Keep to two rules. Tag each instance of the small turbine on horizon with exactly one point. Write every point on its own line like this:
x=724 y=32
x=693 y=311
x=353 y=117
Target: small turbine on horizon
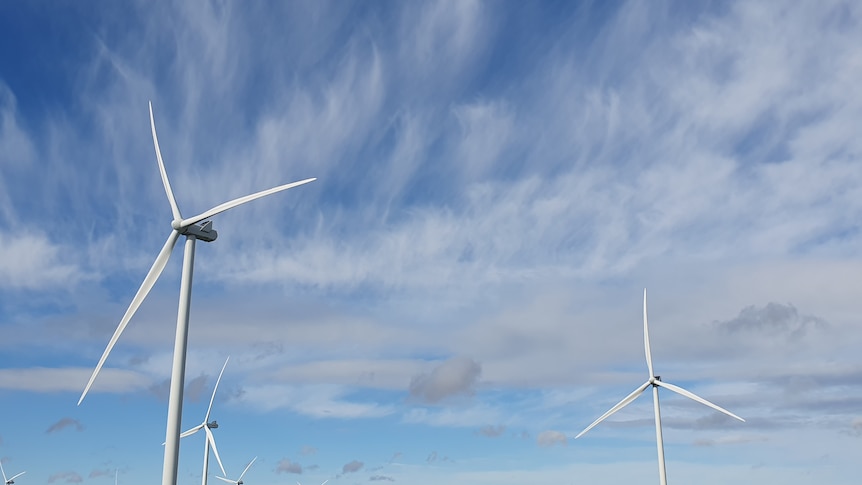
x=10 y=480
x=238 y=481
x=208 y=426
x=656 y=382
x=193 y=228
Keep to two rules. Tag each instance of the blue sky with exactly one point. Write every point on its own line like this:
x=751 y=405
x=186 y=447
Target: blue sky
x=459 y=293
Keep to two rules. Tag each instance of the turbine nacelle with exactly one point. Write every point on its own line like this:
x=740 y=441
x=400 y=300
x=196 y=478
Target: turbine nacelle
x=203 y=232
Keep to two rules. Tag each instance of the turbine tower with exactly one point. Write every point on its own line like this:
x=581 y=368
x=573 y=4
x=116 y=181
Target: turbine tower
x=193 y=228
x=656 y=382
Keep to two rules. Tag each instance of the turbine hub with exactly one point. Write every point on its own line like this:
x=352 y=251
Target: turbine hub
x=177 y=224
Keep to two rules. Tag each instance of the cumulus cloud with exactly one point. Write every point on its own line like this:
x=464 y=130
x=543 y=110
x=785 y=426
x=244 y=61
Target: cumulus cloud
x=456 y=376
x=352 y=467
x=67 y=477
x=65 y=423
x=551 y=438
x=773 y=320
x=100 y=473
x=378 y=478
x=287 y=466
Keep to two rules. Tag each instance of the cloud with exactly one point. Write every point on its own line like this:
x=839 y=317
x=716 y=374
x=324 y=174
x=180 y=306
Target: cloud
x=352 y=467
x=491 y=431
x=67 y=477
x=287 y=466
x=100 y=473
x=194 y=389
x=377 y=478
x=550 y=438
x=730 y=440
x=773 y=320
x=432 y=457
x=30 y=261
x=456 y=376
x=308 y=450
x=65 y=423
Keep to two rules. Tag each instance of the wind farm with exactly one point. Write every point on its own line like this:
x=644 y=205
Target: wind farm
x=458 y=294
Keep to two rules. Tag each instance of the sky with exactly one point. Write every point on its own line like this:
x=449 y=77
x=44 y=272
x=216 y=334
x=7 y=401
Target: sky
x=459 y=293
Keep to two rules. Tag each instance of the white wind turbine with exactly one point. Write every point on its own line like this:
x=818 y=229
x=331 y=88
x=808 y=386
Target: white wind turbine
x=656 y=382
x=238 y=481
x=10 y=480
x=192 y=231
x=207 y=426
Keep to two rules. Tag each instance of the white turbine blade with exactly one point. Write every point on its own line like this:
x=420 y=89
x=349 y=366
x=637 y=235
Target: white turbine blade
x=16 y=476
x=146 y=286
x=174 y=209
x=226 y=480
x=324 y=482
x=246 y=468
x=207 y=417
x=3 y=471
x=242 y=200
x=697 y=398
x=192 y=431
x=215 y=450
x=631 y=397
x=646 y=341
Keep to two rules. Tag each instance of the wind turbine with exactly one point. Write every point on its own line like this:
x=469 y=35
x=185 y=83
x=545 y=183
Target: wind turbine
x=656 y=382
x=11 y=480
x=324 y=482
x=192 y=230
x=238 y=481
x=207 y=426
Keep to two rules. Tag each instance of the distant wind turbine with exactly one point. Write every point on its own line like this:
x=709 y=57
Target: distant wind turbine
x=324 y=482
x=656 y=382
x=238 y=481
x=10 y=480
x=207 y=426
x=192 y=231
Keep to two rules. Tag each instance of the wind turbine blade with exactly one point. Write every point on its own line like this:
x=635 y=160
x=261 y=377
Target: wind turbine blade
x=324 y=482
x=697 y=398
x=215 y=450
x=242 y=200
x=631 y=397
x=146 y=286
x=646 y=341
x=174 y=209
x=246 y=468
x=207 y=418
x=226 y=480
x=3 y=471
x=16 y=476
x=192 y=431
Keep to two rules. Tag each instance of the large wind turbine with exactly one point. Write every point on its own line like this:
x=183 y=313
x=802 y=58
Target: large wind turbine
x=238 y=481
x=10 y=480
x=192 y=230
x=656 y=382
x=207 y=426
